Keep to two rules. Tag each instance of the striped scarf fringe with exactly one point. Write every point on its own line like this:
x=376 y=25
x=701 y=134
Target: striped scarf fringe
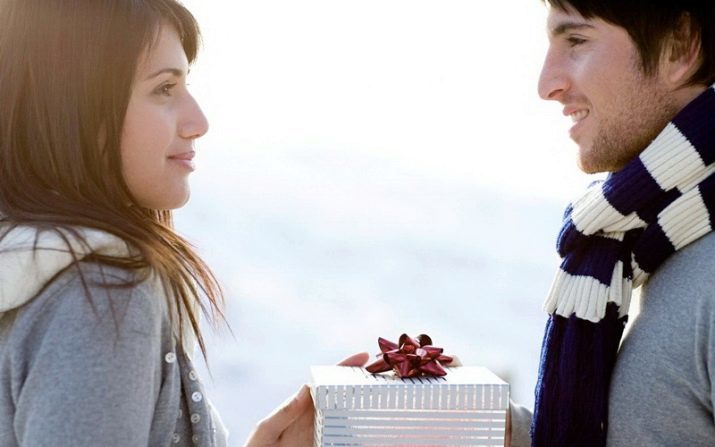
x=614 y=237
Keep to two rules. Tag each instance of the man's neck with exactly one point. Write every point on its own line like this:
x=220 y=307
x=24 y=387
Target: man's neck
x=685 y=94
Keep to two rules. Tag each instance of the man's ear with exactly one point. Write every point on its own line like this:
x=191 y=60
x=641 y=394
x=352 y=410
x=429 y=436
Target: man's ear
x=682 y=52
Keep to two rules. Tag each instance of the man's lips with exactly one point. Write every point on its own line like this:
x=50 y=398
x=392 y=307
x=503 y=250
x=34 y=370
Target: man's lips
x=576 y=113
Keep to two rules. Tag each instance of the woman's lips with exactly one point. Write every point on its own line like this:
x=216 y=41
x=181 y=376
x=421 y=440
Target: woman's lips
x=185 y=159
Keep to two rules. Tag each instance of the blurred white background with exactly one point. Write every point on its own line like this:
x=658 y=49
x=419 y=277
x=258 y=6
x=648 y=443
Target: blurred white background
x=374 y=167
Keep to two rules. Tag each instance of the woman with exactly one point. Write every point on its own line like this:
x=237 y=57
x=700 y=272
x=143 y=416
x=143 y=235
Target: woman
x=99 y=297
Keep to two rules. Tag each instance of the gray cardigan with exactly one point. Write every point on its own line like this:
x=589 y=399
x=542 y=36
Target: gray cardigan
x=106 y=371
x=662 y=390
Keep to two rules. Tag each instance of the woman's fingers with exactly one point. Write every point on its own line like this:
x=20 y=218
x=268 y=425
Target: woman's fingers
x=269 y=431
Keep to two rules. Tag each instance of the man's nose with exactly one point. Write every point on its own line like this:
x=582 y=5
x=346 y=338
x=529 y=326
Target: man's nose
x=553 y=81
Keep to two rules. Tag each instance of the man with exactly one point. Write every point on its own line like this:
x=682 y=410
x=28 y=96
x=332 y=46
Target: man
x=636 y=77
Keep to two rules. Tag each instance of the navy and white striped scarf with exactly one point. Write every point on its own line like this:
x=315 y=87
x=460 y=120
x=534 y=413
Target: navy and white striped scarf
x=613 y=238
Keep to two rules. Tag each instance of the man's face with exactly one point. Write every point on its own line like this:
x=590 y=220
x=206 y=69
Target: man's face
x=593 y=68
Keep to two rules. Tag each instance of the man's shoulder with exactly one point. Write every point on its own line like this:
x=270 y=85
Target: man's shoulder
x=691 y=271
x=696 y=257
x=701 y=249
x=664 y=362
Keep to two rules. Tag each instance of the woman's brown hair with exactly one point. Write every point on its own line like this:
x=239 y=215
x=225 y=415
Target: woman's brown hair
x=66 y=73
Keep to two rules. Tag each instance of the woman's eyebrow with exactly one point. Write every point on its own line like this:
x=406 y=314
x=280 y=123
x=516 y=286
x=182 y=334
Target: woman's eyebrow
x=175 y=71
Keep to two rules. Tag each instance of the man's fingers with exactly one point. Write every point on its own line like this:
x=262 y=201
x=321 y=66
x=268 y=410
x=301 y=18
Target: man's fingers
x=455 y=361
x=359 y=359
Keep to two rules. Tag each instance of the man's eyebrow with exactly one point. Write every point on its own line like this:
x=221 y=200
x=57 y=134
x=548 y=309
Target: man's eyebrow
x=565 y=27
x=174 y=71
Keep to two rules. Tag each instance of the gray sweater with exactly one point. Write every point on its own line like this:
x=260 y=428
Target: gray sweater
x=106 y=371
x=662 y=387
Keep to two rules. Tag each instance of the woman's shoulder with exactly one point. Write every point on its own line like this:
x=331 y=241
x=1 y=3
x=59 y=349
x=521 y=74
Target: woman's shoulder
x=92 y=300
x=104 y=283
x=95 y=334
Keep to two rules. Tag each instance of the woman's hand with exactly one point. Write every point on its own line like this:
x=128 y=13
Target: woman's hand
x=291 y=424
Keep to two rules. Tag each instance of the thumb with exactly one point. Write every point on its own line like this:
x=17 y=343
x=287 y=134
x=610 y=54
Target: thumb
x=356 y=360
x=269 y=430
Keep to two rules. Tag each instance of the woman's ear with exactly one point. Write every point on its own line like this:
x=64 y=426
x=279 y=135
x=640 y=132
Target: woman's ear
x=682 y=53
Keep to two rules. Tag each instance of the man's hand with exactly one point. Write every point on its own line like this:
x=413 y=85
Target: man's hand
x=507 y=434
x=291 y=424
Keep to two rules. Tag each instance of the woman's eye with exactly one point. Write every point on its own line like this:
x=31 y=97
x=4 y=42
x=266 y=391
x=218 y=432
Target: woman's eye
x=165 y=89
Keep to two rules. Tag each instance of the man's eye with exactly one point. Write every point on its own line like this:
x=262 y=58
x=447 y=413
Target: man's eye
x=574 y=41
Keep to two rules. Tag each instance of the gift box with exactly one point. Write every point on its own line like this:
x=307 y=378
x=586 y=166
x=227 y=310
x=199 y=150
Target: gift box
x=353 y=407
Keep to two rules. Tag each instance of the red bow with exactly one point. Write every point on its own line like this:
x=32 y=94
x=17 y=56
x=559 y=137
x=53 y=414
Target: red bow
x=410 y=357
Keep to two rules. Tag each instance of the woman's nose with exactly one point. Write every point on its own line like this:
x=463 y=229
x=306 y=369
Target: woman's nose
x=194 y=123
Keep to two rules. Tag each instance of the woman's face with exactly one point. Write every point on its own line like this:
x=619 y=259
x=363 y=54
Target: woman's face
x=160 y=127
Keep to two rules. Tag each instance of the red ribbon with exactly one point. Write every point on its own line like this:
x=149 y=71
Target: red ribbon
x=410 y=357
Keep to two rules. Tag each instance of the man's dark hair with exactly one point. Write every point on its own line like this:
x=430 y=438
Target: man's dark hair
x=650 y=23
